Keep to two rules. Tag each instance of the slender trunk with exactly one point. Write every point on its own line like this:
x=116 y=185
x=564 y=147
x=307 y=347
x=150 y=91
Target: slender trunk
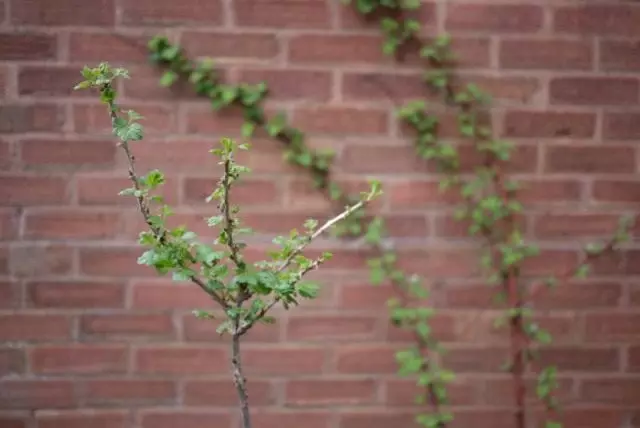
x=517 y=352
x=239 y=381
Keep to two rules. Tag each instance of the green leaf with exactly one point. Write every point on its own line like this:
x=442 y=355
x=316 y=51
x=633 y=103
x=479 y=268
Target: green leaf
x=129 y=132
x=308 y=290
x=582 y=271
x=168 y=78
x=247 y=129
x=276 y=125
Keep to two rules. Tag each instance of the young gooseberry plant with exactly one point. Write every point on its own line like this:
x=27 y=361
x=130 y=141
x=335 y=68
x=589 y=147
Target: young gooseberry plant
x=244 y=291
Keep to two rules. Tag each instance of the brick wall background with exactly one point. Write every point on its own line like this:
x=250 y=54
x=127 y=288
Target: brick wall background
x=88 y=338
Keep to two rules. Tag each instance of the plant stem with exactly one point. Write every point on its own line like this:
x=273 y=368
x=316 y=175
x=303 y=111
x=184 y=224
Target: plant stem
x=239 y=380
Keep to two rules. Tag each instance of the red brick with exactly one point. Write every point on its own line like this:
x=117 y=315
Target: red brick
x=16 y=190
x=366 y=359
x=63 y=13
x=247 y=192
x=340 y=49
x=581 y=359
x=538 y=124
x=553 y=54
x=143 y=86
x=506 y=89
x=11 y=420
x=597 y=19
x=167 y=12
x=475 y=359
x=634 y=358
x=181 y=360
x=401 y=392
x=549 y=262
x=381 y=86
x=376 y=418
x=37 y=394
x=283 y=361
x=282 y=13
x=9 y=294
x=524 y=159
x=80 y=419
x=291 y=85
x=222 y=393
x=616 y=190
x=415 y=194
x=575 y=225
x=12 y=361
x=613 y=327
x=328 y=328
x=445 y=262
x=69 y=224
x=103 y=190
x=171 y=418
x=589 y=417
x=68 y=153
x=590 y=159
x=581 y=296
x=168 y=296
x=19 y=327
x=503 y=18
x=363 y=297
x=176 y=156
x=129 y=391
x=619 y=55
x=231 y=45
x=75 y=294
x=93 y=120
x=372 y=159
x=22 y=118
x=96 y=47
x=277 y=419
x=328 y=391
x=27 y=46
x=610 y=391
x=621 y=126
x=113 y=261
x=51 y=81
x=8 y=224
x=594 y=91
x=78 y=359
x=127 y=325
x=342 y=120
x=499 y=391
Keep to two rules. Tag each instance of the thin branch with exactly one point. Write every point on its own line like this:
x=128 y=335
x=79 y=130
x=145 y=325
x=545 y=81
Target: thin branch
x=320 y=231
x=225 y=208
x=143 y=206
x=314 y=265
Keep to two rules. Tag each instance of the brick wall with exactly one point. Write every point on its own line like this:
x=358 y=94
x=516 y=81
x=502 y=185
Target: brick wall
x=88 y=338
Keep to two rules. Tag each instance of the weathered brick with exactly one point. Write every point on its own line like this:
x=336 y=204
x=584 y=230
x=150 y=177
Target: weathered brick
x=597 y=19
x=22 y=118
x=167 y=12
x=282 y=13
x=231 y=45
x=532 y=54
x=590 y=159
x=63 y=13
x=27 y=46
x=538 y=124
x=495 y=18
x=589 y=91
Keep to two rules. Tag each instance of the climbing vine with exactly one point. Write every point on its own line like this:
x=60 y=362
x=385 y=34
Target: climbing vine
x=489 y=205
